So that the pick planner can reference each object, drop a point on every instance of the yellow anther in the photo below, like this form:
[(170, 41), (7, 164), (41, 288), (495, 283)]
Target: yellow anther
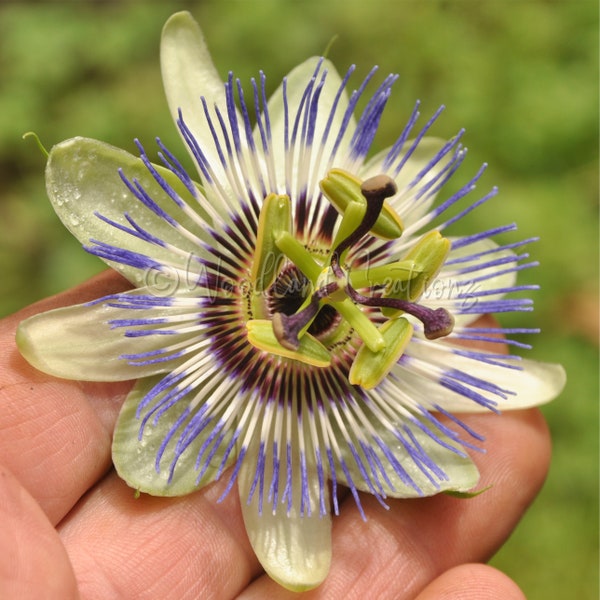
[(370, 368)]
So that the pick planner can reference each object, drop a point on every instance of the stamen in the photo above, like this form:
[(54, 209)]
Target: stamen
[(309, 351), (343, 189), (369, 368), (430, 254), (274, 218), (375, 190)]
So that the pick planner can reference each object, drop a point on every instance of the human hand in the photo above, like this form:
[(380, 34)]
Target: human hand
[(71, 528)]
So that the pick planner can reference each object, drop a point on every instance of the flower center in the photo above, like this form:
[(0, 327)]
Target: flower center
[(288, 293), (307, 297)]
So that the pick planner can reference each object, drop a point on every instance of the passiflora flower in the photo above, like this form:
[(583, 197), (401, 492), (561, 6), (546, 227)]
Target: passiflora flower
[(295, 313)]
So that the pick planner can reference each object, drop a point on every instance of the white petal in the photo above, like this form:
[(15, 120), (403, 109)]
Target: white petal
[(297, 80), (135, 458), (533, 383), (188, 74), (453, 470), (294, 549), (82, 178), (76, 342)]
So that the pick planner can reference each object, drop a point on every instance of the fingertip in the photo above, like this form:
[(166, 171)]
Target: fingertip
[(33, 561), (519, 451), (472, 582)]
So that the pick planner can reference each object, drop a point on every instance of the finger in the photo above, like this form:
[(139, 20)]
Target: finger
[(33, 561), (51, 437), (396, 553), (169, 548), (472, 582)]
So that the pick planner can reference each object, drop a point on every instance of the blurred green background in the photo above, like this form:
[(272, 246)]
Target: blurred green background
[(520, 76)]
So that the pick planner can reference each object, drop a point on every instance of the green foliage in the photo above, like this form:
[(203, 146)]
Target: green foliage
[(520, 76)]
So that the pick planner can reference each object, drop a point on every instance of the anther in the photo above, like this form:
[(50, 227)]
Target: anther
[(379, 186), (375, 190)]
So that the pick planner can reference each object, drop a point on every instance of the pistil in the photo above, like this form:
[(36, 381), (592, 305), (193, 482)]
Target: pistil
[(288, 328), (436, 322)]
